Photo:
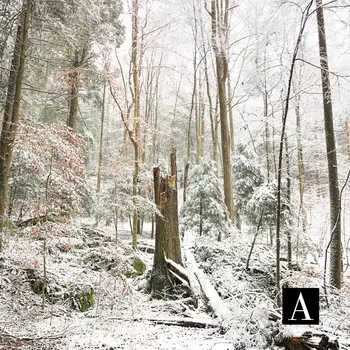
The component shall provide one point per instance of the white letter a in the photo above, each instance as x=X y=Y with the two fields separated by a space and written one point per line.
x=304 y=310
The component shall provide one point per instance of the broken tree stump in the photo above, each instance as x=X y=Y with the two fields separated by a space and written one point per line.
x=307 y=341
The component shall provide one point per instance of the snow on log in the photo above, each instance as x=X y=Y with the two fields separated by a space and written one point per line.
x=177 y=267
x=184 y=282
x=214 y=300
x=176 y=321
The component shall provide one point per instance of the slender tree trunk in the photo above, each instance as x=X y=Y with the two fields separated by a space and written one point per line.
x=73 y=93
x=302 y=211
x=193 y=103
x=267 y=138
x=289 y=184
x=155 y=129
x=212 y=115
x=100 y=153
x=136 y=88
x=304 y=19
x=152 y=229
x=222 y=71
x=335 y=217
x=202 y=131
x=198 y=123
x=230 y=113
x=12 y=106
x=347 y=129
x=187 y=166
x=200 y=215
x=116 y=218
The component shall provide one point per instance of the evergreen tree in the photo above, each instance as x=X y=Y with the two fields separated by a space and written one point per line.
x=247 y=176
x=205 y=210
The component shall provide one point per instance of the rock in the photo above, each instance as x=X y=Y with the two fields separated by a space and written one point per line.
x=83 y=298
x=136 y=268
x=53 y=291
x=106 y=258
x=35 y=281
x=8 y=224
x=139 y=266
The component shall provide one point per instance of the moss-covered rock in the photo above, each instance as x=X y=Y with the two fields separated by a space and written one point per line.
x=136 y=267
x=139 y=266
x=84 y=298
x=6 y=223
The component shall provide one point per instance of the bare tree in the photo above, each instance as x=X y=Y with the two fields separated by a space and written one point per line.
x=219 y=20
x=335 y=218
x=304 y=18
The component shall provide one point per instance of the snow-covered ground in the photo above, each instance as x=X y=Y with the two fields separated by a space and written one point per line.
x=120 y=317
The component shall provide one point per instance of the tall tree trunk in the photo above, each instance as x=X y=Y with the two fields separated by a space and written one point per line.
x=136 y=88
x=289 y=184
x=335 y=218
x=302 y=211
x=230 y=113
x=267 y=138
x=73 y=93
x=211 y=113
x=198 y=122
x=193 y=102
x=218 y=36
x=347 y=130
x=305 y=16
x=187 y=166
x=100 y=153
x=155 y=128
x=167 y=243
x=12 y=106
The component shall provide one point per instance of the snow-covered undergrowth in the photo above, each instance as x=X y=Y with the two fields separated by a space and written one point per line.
x=250 y=295
x=80 y=259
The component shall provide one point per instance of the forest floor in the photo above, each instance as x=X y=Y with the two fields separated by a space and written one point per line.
x=123 y=314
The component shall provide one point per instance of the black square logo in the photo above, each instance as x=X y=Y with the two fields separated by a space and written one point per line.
x=300 y=306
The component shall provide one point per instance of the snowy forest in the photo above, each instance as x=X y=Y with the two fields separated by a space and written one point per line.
x=169 y=169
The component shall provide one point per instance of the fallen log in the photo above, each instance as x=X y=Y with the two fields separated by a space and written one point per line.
x=177 y=321
x=178 y=271
x=211 y=295
x=146 y=249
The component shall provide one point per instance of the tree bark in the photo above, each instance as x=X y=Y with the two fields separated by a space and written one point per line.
x=100 y=153
x=289 y=184
x=230 y=113
x=300 y=163
x=187 y=166
x=167 y=242
x=335 y=218
x=267 y=138
x=347 y=130
x=136 y=88
x=212 y=116
x=13 y=101
x=218 y=37
x=73 y=93
x=304 y=19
